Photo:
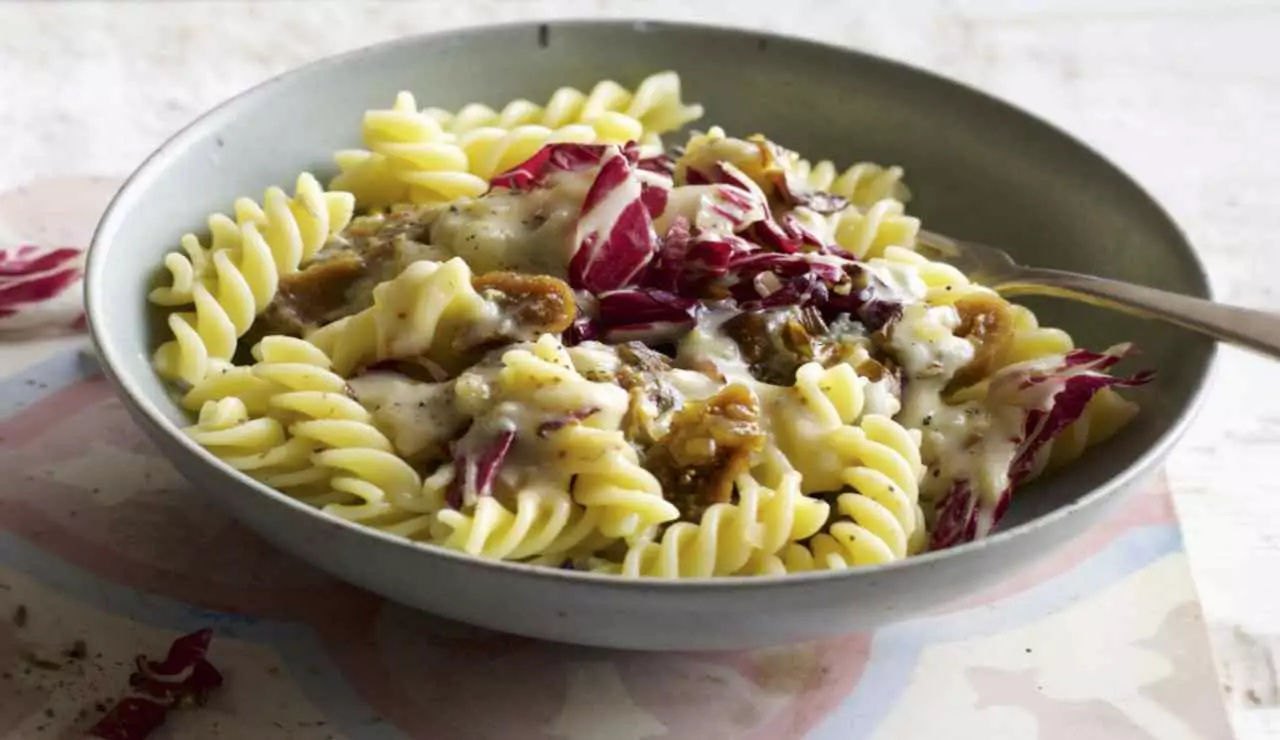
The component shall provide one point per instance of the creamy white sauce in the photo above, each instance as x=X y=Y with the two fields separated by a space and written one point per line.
x=706 y=345
x=415 y=416
x=532 y=232
x=972 y=441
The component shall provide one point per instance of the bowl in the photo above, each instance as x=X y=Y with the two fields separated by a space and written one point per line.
x=980 y=169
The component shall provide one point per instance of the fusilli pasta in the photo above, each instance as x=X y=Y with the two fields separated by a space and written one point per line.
x=272 y=241
x=421 y=312
x=409 y=158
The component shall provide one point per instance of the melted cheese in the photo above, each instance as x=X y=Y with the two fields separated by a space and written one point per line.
x=416 y=416
x=967 y=441
x=531 y=232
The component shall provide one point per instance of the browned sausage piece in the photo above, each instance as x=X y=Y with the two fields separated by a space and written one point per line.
x=710 y=443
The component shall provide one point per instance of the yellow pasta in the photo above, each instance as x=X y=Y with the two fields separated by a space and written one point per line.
x=408 y=158
x=865 y=184
x=418 y=313
x=543 y=521
x=272 y=241
x=656 y=104
x=868 y=232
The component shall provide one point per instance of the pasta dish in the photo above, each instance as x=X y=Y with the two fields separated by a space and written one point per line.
x=538 y=334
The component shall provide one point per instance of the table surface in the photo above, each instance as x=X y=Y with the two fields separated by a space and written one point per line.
x=1183 y=95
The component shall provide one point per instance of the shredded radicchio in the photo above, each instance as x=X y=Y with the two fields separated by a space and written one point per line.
x=183 y=677
x=476 y=462
x=645 y=315
x=1053 y=398
x=36 y=287
x=615 y=236
x=650 y=286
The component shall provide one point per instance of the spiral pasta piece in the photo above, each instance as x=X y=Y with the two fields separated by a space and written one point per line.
x=945 y=283
x=416 y=314
x=865 y=184
x=867 y=232
x=408 y=158
x=608 y=477
x=656 y=104
x=823 y=431
x=542 y=522
x=194 y=263
x=719 y=544
x=541 y=377
x=256 y=446
x=879 y=520
x=273 y=241
x=784 y=513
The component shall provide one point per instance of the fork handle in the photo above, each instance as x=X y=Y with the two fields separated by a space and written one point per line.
x=1257 y=330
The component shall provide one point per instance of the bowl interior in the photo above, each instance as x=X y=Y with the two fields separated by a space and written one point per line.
x=979 y=169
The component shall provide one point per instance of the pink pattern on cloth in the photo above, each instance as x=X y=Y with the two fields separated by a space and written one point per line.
x=96 y=494
x=412 y=665
x=75 y=451
x=1149 y=507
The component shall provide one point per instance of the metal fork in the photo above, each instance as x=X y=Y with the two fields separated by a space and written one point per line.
x=994 y=268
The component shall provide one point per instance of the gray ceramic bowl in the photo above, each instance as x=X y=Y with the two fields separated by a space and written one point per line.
x=980 y=169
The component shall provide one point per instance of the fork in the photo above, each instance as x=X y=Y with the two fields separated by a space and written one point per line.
x=994 y=268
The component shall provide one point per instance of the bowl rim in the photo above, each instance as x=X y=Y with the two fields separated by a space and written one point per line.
x=125 y=201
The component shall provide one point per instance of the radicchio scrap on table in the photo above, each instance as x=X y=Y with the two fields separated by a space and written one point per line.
x=36 y=287
x=1053 y=398
x=184 y=677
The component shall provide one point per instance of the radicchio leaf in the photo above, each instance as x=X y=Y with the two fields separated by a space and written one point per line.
x=663 y=164
x=583 y=329
x=183 y=677
x=476 y=462
x=645 y=315
x=1053 y=398
x=1073 y=384
x=615 y=234
x=784 y=235
x=549 y=159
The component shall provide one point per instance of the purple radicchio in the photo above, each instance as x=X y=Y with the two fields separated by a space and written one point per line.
x=645 y=315
x=548 y=160
x=477 y=459
x=1052 y=398
x=615 y=235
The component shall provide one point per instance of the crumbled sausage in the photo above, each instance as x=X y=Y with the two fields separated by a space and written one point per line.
x=709 y=444
x=775 y=342
x=536 y=303
x=987 y=322
x=309 y=298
